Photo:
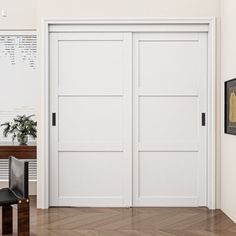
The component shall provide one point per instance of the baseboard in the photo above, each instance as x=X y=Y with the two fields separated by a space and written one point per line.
x=32 y=186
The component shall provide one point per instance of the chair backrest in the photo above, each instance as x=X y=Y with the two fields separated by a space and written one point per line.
x=18 y=177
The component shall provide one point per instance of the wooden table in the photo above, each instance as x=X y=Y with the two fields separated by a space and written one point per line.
x=19 y=151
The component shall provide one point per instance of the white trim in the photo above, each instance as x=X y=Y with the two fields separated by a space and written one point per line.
x=125 y=21
x=128 y=28
x=211 y=199
x=43 y=137
x=43 y=145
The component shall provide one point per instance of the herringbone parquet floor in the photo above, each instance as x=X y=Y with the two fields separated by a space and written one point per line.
x=130 y=222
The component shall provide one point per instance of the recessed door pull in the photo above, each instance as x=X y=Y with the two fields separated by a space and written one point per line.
x=203 y=119
x=54 y=119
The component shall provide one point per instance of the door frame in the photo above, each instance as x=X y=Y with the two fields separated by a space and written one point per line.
x=129 y=25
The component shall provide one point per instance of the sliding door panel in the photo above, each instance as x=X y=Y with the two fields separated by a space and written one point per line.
x=90 y=89
x=128 y=119
x=169 y=148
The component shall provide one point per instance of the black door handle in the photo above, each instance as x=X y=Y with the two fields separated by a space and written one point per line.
x=53 y=119
x=203 y=119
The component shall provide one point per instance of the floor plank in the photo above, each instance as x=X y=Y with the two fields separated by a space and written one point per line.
x=160 y=221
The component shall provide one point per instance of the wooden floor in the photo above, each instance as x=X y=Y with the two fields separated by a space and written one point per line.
x=129 y=222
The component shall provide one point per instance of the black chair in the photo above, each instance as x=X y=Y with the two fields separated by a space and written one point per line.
x=17 y=193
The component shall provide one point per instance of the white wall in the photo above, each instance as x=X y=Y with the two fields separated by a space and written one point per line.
x=128 y=8
x=139 y=9
x=228 y=155
x=21 y=14
x=26 y=14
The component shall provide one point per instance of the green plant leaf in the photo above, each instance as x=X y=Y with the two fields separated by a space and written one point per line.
x=21 y=127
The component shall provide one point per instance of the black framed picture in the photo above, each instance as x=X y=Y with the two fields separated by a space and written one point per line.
x=230 y=107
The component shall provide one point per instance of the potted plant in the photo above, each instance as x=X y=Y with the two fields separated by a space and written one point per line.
x=21 y=127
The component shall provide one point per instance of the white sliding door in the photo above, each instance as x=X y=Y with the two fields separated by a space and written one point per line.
x=90 y=140
x=170 y=95
x=127 y=119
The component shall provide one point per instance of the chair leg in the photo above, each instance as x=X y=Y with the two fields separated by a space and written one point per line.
x=7 y=219
x=23 y=213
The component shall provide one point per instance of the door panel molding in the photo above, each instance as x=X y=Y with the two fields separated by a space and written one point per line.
x=126 y=25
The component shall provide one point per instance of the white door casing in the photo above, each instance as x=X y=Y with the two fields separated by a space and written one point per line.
x=144 y=97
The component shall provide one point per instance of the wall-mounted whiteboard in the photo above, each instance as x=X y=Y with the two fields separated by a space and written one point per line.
x=18 y=78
